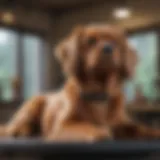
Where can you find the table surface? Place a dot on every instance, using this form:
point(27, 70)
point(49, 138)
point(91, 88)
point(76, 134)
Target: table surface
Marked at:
point(39, 146)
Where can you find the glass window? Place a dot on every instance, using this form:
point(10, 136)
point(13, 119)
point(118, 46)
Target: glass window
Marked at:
point(22, 57)
point(32, 57)
point(8, 61)
point(146, 71)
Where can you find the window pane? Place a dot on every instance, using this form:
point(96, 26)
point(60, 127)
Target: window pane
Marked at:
point(8, 62)
point(32, 65)
point(146, 72)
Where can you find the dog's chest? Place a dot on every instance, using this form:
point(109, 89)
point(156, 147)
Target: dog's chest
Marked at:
point(94, 112)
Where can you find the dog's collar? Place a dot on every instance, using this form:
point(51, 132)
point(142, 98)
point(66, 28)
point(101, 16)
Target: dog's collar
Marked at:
point(94, 96)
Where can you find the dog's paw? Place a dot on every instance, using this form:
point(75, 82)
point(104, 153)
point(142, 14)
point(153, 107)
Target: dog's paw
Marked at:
point(155, 134)
point(103, 134)
point(2, 131)
point(88, 137)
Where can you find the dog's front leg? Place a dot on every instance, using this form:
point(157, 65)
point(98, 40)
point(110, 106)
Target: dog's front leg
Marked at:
point(22, 121)
point(79, 132)
point(131, 130)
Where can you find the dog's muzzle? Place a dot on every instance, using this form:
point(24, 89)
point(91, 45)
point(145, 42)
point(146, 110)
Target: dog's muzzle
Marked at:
point(108, 49)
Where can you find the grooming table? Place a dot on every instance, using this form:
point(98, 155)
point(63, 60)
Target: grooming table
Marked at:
point(39, 150)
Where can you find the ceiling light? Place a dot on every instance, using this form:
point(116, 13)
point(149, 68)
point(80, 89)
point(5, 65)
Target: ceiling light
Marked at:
point(122, 13)
point(7, 17)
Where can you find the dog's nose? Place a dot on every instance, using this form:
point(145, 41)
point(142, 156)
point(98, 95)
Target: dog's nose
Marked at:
point(107, 49)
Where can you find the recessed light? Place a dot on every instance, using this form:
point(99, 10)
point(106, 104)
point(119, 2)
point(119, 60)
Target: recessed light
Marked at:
point(122, 13)
point(7, 17)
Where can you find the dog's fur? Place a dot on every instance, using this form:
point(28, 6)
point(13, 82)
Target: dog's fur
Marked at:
point(65, 115)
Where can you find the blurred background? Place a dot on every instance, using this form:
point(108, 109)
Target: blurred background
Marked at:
point(29, 30)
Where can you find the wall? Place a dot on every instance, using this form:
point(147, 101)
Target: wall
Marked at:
point(30, 19)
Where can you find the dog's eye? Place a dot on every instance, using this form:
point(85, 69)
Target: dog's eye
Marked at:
point(91, 41)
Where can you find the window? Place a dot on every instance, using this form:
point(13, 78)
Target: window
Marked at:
point(32, 47)
point(21, 55)
point(8, 61)
point(147, 70)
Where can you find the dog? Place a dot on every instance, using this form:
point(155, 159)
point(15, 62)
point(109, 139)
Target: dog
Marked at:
point(96, 60)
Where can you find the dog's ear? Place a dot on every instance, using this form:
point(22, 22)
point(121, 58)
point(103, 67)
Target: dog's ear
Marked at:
point(69, 45)
point(130, 61)
point(67, 52)
point(60, 51)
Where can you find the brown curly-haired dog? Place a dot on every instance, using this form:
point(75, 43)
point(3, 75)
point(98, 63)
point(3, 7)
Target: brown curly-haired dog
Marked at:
point(96, 60)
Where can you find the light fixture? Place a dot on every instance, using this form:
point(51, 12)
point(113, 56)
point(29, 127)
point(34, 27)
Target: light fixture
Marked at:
point(8, 17)
point(122, 13)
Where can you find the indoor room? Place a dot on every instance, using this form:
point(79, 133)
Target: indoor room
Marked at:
point(30, 32)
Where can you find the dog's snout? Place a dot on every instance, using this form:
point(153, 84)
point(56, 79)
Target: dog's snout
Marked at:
point(107, 49)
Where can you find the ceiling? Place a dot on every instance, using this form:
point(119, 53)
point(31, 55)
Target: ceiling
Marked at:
point(51, 5)
point(61, 6)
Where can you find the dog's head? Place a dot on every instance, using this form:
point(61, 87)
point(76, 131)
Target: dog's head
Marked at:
point(93, 52)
